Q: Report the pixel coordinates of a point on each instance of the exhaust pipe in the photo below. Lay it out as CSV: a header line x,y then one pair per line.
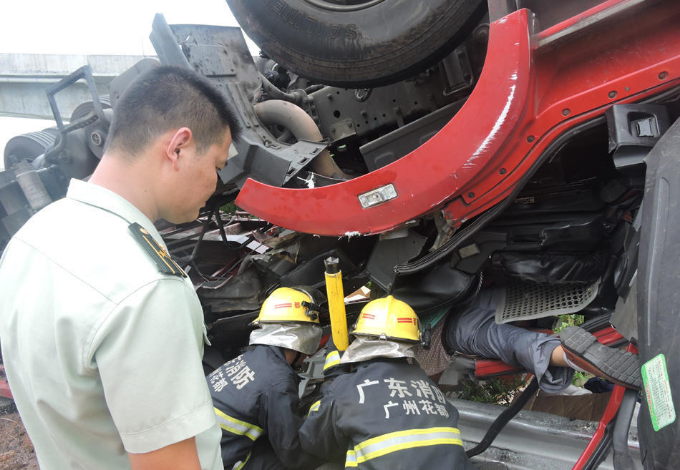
x,y
31,184
303,127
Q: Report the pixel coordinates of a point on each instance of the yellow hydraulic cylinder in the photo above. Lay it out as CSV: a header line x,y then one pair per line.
x,y
336,303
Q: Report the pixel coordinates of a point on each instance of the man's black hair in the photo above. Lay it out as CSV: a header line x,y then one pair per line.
x,y
166,98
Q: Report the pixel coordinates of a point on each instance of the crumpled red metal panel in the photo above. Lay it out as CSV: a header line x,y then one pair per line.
x,y
428,176
527,96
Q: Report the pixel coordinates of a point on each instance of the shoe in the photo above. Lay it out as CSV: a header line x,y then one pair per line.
x,y
584,350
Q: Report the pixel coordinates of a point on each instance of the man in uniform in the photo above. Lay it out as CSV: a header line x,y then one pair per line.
x,y
102,333
256,394
385,413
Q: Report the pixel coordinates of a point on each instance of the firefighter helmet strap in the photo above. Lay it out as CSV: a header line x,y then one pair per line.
x,y
311,309
297,358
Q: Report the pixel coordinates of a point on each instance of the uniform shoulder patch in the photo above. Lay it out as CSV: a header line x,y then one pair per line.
x,y
160,256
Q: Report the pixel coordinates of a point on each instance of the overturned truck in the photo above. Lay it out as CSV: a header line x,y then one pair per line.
x,y
427,145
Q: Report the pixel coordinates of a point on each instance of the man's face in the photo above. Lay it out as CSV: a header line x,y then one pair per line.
x,y
197,179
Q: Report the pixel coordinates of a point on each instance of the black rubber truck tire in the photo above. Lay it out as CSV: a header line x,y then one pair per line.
x,y
29,146
372,43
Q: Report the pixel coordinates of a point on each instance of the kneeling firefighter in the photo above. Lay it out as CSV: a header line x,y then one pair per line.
x,y
256,394
384,413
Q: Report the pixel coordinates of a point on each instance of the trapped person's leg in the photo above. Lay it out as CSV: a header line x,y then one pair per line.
x,y
474,331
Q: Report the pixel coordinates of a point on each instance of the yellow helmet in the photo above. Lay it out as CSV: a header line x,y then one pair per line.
x,y
388,318
289,304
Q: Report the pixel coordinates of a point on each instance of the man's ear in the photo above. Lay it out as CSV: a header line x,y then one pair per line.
x,y
178,142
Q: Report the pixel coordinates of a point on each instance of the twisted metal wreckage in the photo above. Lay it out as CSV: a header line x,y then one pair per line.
x,y
516,138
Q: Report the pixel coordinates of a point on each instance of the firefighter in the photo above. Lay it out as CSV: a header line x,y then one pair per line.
x,y
255,395
385,413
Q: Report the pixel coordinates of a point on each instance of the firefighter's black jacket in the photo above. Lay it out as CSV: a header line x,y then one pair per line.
x,y
385,415
256,397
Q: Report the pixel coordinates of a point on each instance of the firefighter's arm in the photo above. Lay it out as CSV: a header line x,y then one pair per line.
x,y
182,455
320,434
280,404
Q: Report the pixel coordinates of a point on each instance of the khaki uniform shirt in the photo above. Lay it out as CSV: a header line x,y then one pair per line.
x,y
102,351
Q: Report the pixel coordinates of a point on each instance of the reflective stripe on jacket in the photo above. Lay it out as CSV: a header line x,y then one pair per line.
x,y
239,465
332,359
256,396
400,440
385,415
238,427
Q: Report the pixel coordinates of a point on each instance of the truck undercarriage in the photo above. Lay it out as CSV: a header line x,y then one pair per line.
x,y
505,140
